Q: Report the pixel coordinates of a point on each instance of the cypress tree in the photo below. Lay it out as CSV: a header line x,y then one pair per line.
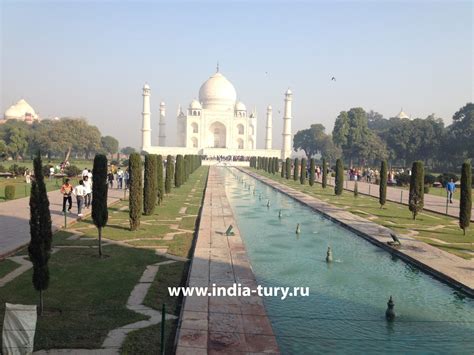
x,y
465,204
178,174
277,164
416,197
325,174
339,185
288,168
383,183
150,188
39,249
283,168
100,213
159,178
296,169
303,171
311,172
136,190
169,174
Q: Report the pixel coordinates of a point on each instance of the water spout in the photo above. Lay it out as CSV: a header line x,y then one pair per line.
x,y
390,313
298,229
329,255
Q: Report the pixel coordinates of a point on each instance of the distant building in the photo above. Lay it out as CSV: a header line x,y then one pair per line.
x,y
21,111
402,114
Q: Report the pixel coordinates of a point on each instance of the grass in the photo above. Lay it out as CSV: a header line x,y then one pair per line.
x,y
7,266
435,229
80,163
87,295
22,189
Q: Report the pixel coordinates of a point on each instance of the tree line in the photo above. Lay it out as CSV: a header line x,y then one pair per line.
x,y
364,138
56,138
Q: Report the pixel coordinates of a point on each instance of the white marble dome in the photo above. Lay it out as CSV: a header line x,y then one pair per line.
x,y
239,106
20,111
217,93
195,105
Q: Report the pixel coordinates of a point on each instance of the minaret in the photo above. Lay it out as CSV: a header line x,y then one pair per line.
x,y
286,147
268,137
146,128
162,134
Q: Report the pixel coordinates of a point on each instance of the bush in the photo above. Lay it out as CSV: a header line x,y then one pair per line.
x,y
10,192
416,197
444,178
430,179
150,188
72,171
383,183
288,168
426,189
16,169
136,190
403,179
339,184
2,169
465,204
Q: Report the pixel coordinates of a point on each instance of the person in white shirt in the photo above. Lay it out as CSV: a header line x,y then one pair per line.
x,y
51,173
80,192
84,173
88,187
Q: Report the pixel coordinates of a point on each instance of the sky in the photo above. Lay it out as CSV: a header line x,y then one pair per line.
x,y
91,58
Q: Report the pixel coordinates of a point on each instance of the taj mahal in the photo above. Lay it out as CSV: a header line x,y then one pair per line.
x,y
216,125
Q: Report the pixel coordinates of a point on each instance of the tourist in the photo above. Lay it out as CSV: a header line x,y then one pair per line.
x,y
120,178
110,179
51,173
85,172
80,192
450,188
66,191
126,178
318,172
88,187
27,175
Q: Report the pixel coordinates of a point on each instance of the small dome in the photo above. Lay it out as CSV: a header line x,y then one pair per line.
x,y
20,110
239,106
217,93
12,112
146,86
162,103
269,108
288,92
195,105
402,114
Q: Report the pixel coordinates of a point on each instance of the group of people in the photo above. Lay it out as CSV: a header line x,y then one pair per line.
x,y
118,179
82,192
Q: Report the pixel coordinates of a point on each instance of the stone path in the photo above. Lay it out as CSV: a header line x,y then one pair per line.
x,y
15,215
445,266
432,203
222,324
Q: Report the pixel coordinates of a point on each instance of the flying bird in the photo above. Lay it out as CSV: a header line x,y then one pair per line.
x,y
333,78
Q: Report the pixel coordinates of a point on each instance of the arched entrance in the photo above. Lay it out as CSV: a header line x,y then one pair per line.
x,y
217,135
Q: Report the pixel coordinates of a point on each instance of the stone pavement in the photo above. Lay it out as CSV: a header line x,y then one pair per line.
x,y
211,325
432,202
450,268
15,217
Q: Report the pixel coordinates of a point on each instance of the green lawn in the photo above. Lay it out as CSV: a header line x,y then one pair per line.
x,y
80,163
87,295
22,189
435,229
7,266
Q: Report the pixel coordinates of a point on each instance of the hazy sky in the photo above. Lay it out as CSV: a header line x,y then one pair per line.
x,y
91,59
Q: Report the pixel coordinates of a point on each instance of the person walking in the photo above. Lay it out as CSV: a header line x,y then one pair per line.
x,y
66,191
110,179
27,176
51,173
450,188
85,172
80,192
120,178
88,187
126,178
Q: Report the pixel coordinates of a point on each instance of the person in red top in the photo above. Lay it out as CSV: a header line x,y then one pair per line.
x,y
66,190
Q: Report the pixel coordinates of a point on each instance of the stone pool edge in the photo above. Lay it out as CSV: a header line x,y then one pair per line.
x,y
445,267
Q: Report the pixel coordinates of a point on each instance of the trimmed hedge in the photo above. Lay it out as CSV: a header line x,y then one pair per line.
x,y
9,192
136,190
150,188
339,185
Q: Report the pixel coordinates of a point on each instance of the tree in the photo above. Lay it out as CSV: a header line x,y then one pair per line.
x,y
303,171
383,183
325,174
315,140
460,142
39,249
339,184
283,169
288,168
312,167
109,144
169,174
465,204
178,176
277,164
16,139
296,169
100,213
159,178
136,190
416,196
150,188
128,150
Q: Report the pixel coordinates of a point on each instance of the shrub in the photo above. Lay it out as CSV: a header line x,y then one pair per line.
x,y
426,189
10,192
444,178
2,169
16,169
72,171
465,204
430,179
416,197
169,174
296,169
403,179
339,185
136,190
303,171
311,172
283,168
100,213
288,168
159,178
178,175
325,173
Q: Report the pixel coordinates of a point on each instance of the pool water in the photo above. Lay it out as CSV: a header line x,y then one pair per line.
x,y
345,310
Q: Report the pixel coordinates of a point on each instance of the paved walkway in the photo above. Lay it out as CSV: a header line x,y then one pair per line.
x,y
445,266
432,202
222,324
15,217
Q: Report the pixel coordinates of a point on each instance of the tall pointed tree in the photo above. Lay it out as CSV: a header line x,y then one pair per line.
x,y
303,171
100,214
465,204
416,196
288,168
296,170
150,188
383,183
325,174
169,174
41,234
159,178
311,172
136,190
339,184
